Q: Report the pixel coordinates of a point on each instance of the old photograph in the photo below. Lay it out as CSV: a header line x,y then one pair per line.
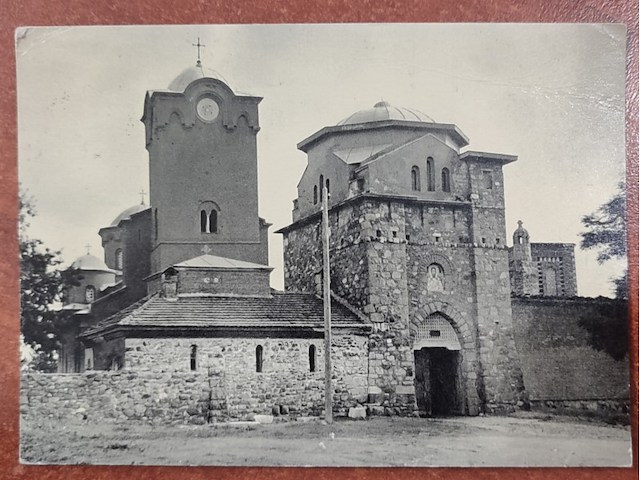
x,y
323,245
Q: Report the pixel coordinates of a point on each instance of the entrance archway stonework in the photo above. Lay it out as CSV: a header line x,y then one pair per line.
x,y
469,352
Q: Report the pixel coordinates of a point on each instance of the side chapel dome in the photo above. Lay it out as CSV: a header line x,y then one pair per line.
x,y
90,262
382,111
125,214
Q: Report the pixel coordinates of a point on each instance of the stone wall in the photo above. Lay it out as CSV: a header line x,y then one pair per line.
x,y
156,397
572,349
224,281
285,381
380,253
158,385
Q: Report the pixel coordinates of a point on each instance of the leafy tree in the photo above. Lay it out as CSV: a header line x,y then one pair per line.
x,y
41,286
607,231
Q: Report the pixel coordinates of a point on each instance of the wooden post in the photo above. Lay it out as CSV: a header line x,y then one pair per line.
x,y
326,293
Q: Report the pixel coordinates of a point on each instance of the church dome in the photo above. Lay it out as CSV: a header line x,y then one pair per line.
x,y
191,74
90,262
126,214
382,111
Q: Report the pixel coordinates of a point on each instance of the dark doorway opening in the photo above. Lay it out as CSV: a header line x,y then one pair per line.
x,y
437,381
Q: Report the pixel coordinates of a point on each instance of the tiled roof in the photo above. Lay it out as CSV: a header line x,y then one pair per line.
x,y
213,261
280,310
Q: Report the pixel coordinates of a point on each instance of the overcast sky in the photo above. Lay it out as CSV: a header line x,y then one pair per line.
x,y
551,94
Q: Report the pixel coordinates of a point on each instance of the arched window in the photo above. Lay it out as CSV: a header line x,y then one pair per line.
x,y
194,357
203,221
119,259
259,358
321,185
213,222
446,180
312,358
550,282
90,293
209,217
431,180
315,194
415,179
326,183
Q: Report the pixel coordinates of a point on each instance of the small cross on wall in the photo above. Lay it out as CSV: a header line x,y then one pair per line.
x,y
206,249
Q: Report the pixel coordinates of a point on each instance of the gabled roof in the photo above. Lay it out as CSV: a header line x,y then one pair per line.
x,y
355,155
279,311
213,261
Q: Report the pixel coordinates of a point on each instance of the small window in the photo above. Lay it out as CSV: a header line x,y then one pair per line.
x,y
321,185
213,222
378,233
90,294
155,222
446,181
259,358
327,184
203,221
194,357
434,333
408,237
360,184
415,179
484,240
312,358
119,259
209,220
431,181
315,194
487,179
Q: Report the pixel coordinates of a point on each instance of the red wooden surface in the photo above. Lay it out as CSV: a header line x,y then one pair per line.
x,y
14,13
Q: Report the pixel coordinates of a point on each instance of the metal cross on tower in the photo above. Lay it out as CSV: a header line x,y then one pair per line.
x,y
198,45
88,247
142,194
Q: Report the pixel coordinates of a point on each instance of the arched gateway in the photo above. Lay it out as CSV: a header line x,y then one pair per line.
x,y
438,366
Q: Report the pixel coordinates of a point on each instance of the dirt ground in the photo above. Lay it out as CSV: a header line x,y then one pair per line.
x,y
526,440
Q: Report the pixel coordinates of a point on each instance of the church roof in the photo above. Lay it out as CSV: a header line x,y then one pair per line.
x,y
191,74
382,111
384,115
90,262
278,311
213,261
356,155
126,214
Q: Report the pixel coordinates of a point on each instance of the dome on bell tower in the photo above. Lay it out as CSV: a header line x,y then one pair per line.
x,y
191,74
521,235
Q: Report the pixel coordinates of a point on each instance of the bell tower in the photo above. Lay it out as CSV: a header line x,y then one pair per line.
x,y
201,139
522,270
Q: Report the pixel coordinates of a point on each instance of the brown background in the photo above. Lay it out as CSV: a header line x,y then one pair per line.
x,y
15,13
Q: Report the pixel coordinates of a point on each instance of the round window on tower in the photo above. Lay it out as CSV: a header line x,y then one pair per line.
x,y
207,109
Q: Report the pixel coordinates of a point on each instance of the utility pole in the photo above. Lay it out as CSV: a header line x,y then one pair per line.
x,y
326,292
